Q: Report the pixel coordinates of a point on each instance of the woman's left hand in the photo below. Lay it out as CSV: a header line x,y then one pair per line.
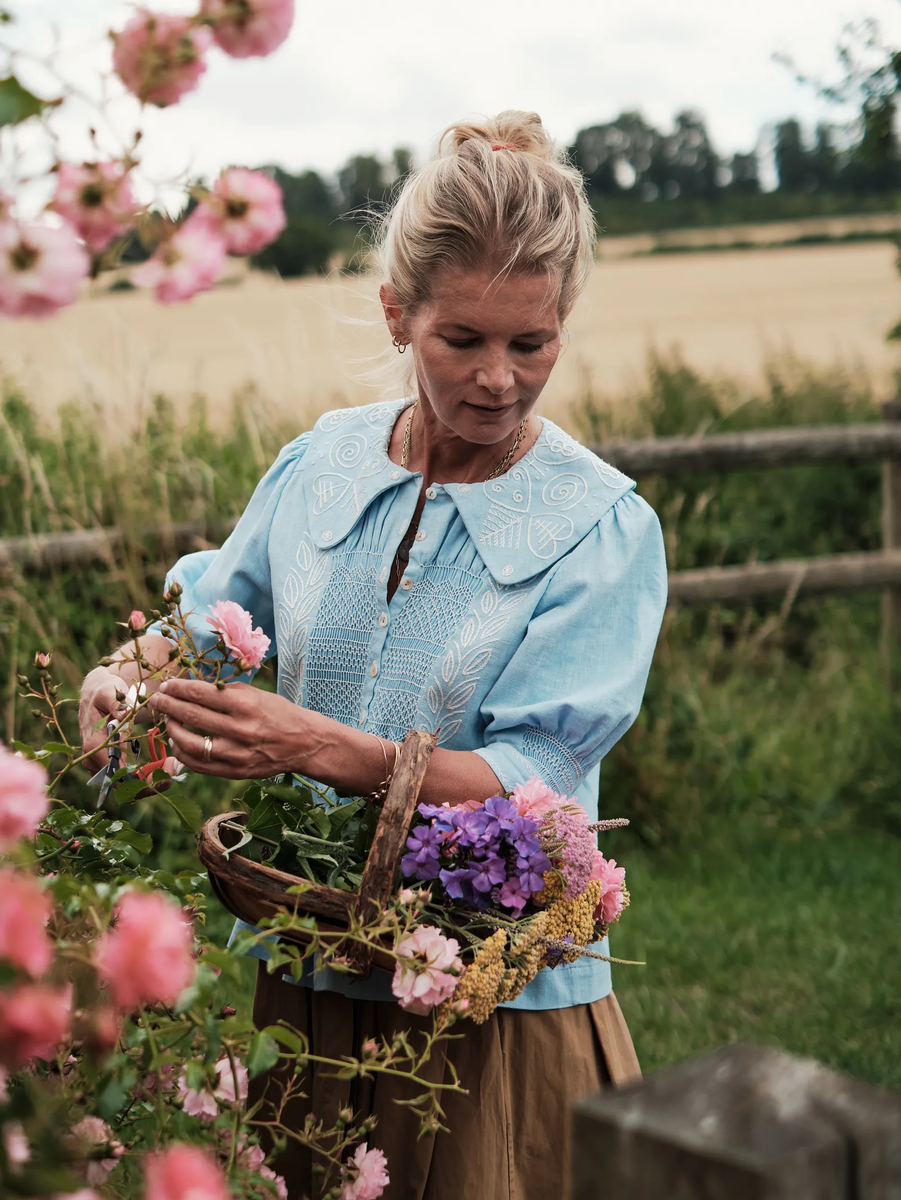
x,y
254,734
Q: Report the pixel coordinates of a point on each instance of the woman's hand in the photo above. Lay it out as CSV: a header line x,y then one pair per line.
x,y
255,734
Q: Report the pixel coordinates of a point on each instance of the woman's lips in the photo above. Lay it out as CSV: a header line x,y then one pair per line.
x,y
500,410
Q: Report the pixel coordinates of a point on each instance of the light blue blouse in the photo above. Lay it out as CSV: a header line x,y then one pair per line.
x,y
523,627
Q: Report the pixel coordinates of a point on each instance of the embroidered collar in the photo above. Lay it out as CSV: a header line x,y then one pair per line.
x,y
521,522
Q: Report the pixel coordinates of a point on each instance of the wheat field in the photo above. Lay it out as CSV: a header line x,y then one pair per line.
x,y
304,345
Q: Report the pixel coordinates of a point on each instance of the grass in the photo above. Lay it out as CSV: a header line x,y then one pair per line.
x,y
763,776
769,936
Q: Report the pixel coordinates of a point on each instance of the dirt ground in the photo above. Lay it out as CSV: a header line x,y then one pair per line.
x,y
305,344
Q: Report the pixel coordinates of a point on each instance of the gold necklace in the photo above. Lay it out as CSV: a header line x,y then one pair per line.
x,y
498,470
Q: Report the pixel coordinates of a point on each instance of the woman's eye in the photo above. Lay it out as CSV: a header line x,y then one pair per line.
x,y
461,345
528,347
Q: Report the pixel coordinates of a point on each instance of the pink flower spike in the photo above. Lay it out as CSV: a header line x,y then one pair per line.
x,y
246,28
246,645
245,208
364,1175
96,200
34,1021
40,269
23,797
430,973
88,1136
24,913
159,57
183,1172
188,262
147,957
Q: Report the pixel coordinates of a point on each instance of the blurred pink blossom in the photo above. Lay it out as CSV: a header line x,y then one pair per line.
x,y
364,1175
34,1020
159,57
24,913
23,797
15,1144
96,200
202,1103
247,646
281,1187
40,268
430,975
7,204
147,957
534,798
249,27
183,1172
613,879
85,1138
4,1080
188,262
245,208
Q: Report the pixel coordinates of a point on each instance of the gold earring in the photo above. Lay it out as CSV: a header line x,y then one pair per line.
x,y
399,345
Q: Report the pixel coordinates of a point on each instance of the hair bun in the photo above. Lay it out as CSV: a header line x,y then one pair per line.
x,y
521,131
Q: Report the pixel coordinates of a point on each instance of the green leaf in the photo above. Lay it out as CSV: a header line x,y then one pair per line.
x,y
23,748
142,842
17,103
246,837
287,1037
295,797
339,818
187,811
196,1075
226,962
111,1098
262,1054
127,790
60,748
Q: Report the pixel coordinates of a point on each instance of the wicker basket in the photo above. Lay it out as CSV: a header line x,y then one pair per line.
x,y
254,891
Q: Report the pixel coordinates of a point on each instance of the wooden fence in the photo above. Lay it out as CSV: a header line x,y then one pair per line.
x,y
656,456
741,1123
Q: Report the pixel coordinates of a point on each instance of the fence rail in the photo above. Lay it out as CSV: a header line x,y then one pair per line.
x,y
663,456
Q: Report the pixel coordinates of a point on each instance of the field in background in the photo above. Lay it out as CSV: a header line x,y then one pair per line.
x,y
301,346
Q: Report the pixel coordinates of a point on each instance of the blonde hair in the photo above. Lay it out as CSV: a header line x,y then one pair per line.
x,y
517,209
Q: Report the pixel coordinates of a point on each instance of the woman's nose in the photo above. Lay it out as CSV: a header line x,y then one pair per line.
x,y
495,375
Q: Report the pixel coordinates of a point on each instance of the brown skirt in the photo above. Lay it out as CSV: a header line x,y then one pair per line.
x,y
509,1134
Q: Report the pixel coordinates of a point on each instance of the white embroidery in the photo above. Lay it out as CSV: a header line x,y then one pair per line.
x,y
468,656
300,600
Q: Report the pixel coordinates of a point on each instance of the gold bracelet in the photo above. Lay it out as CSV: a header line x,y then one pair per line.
x,y
381,791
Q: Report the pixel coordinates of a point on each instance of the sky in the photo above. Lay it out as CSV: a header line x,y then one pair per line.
x,y
357,76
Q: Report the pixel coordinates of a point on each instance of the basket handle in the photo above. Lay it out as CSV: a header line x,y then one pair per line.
x,y
390,837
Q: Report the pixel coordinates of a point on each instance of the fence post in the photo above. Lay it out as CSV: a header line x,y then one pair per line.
x,y
891,540
741,1123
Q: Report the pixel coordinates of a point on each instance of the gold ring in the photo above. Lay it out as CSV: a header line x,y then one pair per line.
x,y
207,749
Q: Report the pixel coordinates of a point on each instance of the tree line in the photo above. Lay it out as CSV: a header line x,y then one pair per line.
x,y
637,177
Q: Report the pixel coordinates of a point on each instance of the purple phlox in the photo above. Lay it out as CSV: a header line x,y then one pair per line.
x,y
489,872
524,836
424,844
501,814
439,814
512,895
458,884
470,827
531,870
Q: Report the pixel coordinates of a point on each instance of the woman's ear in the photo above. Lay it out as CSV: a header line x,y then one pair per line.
x,y
393,313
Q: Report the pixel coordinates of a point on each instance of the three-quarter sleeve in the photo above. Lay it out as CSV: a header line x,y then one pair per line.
x,y
240,569
575,683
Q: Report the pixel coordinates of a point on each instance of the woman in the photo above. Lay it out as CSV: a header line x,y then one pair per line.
x,y
450,562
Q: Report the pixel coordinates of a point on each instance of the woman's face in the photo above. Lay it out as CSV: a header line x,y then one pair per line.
x,y
483,349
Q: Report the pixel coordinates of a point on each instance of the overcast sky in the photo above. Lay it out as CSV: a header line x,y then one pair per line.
x,y
359,75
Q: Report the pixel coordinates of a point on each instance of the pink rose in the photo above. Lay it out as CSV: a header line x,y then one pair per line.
x,y
34,1021
243,28
364,1175
96,200
245,208
15,1144
430,973
24,913
159,57
23,797
85,1138
247,646
136,620
188,262
613,879
147,958
182,1172
203,1103
534,798
40,268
